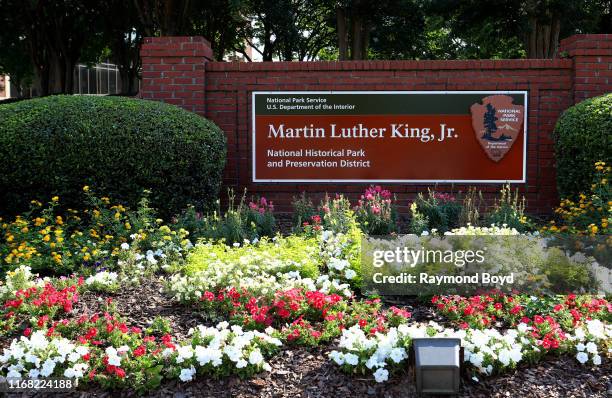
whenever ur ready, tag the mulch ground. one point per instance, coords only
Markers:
(302, 372)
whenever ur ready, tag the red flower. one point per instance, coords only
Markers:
(120, 373)
(140, 351)
(91, 333)
(498, 306)
(27, 332)
(538, 319)
(362, 323)
(558, 308)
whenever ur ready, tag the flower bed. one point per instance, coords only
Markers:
(253, 299)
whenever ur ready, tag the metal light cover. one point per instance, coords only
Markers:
(437, 365)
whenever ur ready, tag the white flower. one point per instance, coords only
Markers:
(397, 354)
(596, 360)
(69, 373)
(580, 347)
(241, 364)
(187, 374)
(47, 368)
(13, 374)
(184, 352)
(476, 359)
(114, 360)
(582, 357)
(350, 274)
(125, 246)
(381, 375)
(255, 357)
(337, 357)
(522, 327)
(596, 328)
(351, 359)
(591, 347)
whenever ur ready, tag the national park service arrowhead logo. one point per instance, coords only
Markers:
(497, 123)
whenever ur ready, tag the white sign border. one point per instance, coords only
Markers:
(328, 181)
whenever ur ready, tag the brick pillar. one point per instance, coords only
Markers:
(173, 70)
(592, 56)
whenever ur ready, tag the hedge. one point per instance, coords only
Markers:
(583, 135)
(118, 146)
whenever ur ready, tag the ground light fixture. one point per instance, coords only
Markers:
(437, 364)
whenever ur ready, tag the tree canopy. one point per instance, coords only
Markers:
(42, 40)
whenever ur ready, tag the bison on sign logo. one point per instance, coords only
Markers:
(497, 123)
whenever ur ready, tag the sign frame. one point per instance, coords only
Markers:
(256, 180)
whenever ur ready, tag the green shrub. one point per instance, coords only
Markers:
(582, 136)
(55, 145)
(376, 212)
(303, 212)
(440, 211)
(509, 210)
(237, 224)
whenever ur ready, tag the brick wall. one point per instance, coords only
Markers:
(179, 70)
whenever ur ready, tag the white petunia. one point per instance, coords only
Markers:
(582, 357)
(381, 375)
(337, 357)
(591, 347)
(187, 374)
(351, 359)
(255, 357)
(596, 360)
(47, 368)
(397, 354)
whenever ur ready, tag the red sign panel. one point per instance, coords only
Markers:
(389, 136)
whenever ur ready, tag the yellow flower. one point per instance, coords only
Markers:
(47, 238)
(55, 199)
(117, 216)
(128, 225)
(10, 238)
(59, 220)
(86, 188)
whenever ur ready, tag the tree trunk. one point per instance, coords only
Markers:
(342, 34)
(556, 30)
(532, 39)
(357, 44)
(69, 76)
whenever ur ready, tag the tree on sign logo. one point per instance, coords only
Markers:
(489, 122)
